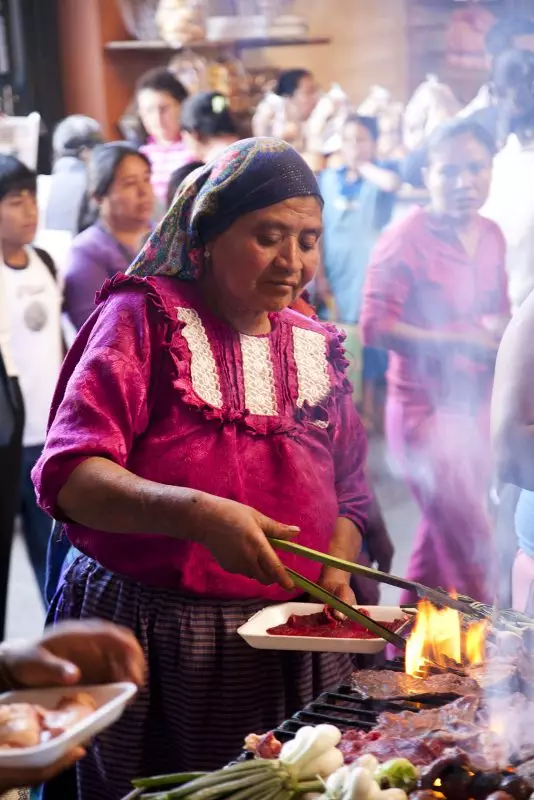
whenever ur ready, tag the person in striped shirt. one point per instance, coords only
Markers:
(159, 100)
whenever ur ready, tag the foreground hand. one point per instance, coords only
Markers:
(26, 778)
(237, 537)
(87, 652)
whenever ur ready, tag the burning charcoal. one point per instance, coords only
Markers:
(516, 786)
(439, 767)
(484, 784)
(526, 771)
(500, 796)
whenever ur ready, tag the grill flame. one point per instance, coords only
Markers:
(437, 640)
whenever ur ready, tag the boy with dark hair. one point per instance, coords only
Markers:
(358, 201)
(33, 303)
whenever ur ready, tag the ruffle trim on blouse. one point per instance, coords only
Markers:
(319, 415)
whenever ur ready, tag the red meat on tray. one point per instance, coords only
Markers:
(325, 624)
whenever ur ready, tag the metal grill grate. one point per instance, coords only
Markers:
(344, 709)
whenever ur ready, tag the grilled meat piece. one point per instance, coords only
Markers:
(458, 718)
(390, 685)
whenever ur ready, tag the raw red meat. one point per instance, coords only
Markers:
(324, 624)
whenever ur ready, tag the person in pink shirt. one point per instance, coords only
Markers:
(196, 415)
(436, 298)
(159, 98)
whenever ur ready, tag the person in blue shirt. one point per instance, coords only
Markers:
(359, 198)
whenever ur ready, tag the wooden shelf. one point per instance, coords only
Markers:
(159, 46)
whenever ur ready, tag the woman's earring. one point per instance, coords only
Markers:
(207, 257)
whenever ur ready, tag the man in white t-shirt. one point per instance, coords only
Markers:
(11, 423)
(511, 199)
(33, 300)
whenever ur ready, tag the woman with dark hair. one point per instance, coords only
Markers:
(160, 95)
(436, 298)
(121, 204)
(178, 177)
(196, 416)
(286, 111)
(208, 126)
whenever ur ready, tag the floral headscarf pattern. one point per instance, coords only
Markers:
(248, 175)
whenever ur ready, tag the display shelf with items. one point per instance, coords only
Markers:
(160, 46)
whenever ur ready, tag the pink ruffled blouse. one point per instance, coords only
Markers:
(158, 384)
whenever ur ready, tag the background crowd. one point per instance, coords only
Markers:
(427, 248)
(419, 247)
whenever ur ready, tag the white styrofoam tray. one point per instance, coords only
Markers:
(254, 631)
(111, 700)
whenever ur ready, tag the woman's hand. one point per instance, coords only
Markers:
(237, 537)
(337, 581)
(87, 652)
(480, 344)
(26, 778)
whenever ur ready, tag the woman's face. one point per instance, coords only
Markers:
(130, 199)
(160, 115)
(458, 177)
(264, 260)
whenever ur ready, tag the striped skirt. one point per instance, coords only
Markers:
(206, 688)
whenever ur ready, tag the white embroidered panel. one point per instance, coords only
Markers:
(204, 374)
(309, 349)
(258, 376)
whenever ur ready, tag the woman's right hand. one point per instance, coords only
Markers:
(480, 345)
(237, 537)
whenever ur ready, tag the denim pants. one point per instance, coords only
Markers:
(35, 523)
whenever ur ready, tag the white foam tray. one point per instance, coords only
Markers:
(254, 631)
(111, 700)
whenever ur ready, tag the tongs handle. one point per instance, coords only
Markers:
(436, 596)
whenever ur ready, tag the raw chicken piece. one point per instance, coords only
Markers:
(20, 725)
(67, 713)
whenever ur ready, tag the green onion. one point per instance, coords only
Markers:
(167, 780)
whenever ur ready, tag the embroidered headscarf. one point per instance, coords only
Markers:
(248, 175)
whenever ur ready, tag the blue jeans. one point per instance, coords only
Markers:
(60, 555)
(35, 523)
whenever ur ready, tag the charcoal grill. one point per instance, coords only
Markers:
(344, 709)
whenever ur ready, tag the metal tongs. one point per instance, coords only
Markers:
(438, 597)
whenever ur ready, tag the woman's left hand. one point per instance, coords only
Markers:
(337, 582)
(85, 651)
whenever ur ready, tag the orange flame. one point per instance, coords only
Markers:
(437, 640)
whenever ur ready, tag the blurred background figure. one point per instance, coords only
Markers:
(33, 310)
(510, 202)
(120, 210)
(208, 126)
(359, 197)
(436, 298)
(159, 98)
(284, 113)
(72, 142)
(178, 177)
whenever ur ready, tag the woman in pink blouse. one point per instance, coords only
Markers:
(436, 298)
(196, 415)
